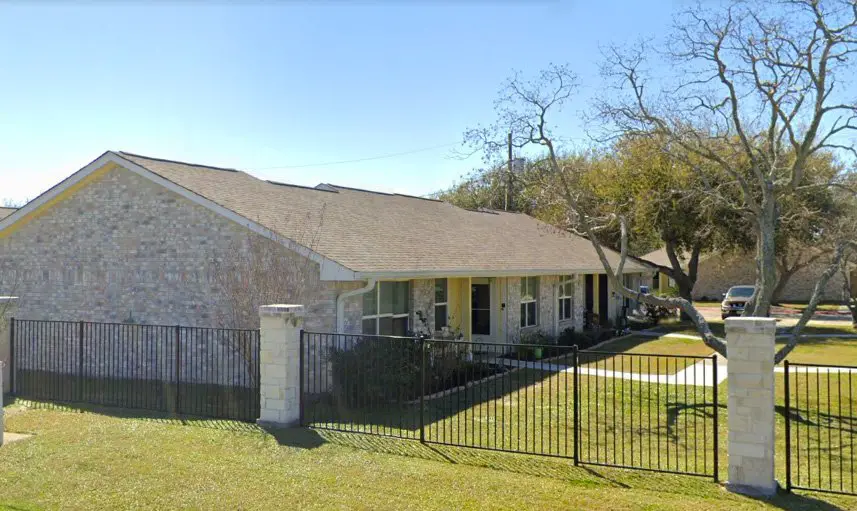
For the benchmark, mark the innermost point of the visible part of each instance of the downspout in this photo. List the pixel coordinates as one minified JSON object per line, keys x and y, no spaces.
{"x":340,"y":303}
{"x":506,"y":309}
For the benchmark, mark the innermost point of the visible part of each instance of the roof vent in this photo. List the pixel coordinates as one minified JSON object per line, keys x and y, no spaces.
{"x":326,"y":187}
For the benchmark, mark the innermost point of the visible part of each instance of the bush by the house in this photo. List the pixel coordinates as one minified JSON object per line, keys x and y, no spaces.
{"x":387,"y":372}
{"x":656,"y":313}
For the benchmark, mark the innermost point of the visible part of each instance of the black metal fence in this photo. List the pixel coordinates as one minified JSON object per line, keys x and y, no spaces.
{"x":648,"y":411}
{"x":652,"y":412}
{"x":182,"y":370}
{"x":821,"y":427}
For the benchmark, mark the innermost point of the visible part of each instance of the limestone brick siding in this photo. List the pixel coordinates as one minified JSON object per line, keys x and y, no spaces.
{"x":717,"y":273}
{"x":124,"y":248}
{"x":422,"y":303}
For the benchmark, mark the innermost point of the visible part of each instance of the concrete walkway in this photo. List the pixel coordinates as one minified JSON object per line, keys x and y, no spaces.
{"x":8,"y":438}
{"x":651,"y":333}
{"x":699,"y":374}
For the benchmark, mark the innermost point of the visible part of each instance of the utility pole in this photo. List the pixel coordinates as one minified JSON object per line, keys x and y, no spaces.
{"x":509,"y":177}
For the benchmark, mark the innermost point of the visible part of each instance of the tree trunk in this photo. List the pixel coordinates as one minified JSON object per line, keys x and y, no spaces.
{"x":766,"y":261}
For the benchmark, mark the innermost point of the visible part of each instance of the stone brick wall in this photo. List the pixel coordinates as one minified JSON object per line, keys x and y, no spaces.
{"x":422,"y":302}
{"x":124,"y":248}
{"x":717,"y":273}
{"x":548,"y":304}
{"x":513,"y":305}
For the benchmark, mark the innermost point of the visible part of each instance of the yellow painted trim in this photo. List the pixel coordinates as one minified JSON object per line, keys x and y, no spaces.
{"x":596,"y":295}
{"x":67,"y":193}
{"x":663,"y":282}
{"x":453,"y":303}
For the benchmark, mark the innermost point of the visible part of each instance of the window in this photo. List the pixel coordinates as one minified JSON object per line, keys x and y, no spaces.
{"x":529,"y":301}
{"x":386,"y":309}
{"x":441,"y":318}
{"x":566,"y":288}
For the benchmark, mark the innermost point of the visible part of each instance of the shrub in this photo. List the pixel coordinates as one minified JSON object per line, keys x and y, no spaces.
{"x":537,"y":337}
{"x":656,"y":313}
{"x":381,"y":371}
{"x":376,"y":371}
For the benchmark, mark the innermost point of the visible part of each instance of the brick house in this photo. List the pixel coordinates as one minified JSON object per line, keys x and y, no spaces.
{"x":130,"y":238}
{"x":717,"y":272}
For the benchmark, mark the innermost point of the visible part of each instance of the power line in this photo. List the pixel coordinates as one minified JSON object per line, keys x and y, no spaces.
{"x":381,"y":157}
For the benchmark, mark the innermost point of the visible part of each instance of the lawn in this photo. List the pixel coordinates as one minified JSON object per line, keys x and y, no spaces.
{"x":831,"y":351}
{"x":783,"y":326}
{"x":97,"y":460}
{"x":827,"y":307}
{"x":107,"y":458}
{"x":641,"y":355}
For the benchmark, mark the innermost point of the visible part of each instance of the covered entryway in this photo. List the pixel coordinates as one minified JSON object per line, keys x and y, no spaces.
{"x":480,"y":309}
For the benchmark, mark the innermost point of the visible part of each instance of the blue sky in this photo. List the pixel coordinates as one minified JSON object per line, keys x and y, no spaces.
{"x":284,"y":84}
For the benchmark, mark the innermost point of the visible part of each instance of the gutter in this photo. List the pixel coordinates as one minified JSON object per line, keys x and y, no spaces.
{"x":435,"y":274}
{"x":340,"y":303}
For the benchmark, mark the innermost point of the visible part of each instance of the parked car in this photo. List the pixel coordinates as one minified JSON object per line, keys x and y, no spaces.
{"x":735,"y":300}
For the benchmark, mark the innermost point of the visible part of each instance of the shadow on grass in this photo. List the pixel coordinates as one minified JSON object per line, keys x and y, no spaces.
{"x":705,"y":411}
{"x":797,"y":501}
{"x":553,"y":468}
{"x":144,"y":415}
{"x":405,"y":416}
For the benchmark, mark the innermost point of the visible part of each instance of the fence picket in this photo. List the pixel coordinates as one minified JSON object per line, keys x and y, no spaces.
{"x":131,"y":365}
{"x":455,"y":393}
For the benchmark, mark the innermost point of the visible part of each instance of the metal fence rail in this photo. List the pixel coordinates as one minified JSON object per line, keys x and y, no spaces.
{"x":651,"y":412}
{"x":646,"y":411}
{"x":821,"y":427}
{"x":182,"y":370}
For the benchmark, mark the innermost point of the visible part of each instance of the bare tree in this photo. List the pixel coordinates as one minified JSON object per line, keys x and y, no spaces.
{"x":762,"y":88}
{"x":257,"y":270}
{"x":761,"y":102}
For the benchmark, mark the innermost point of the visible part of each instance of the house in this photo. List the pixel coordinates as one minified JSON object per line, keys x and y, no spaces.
{"x":717,"y":272}
{"x":130,"y":238}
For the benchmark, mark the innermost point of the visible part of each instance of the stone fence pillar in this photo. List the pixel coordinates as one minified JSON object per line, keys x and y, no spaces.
{"x":8,"y":308}
{"x":751,"y":405}
{"x":279,"y":361}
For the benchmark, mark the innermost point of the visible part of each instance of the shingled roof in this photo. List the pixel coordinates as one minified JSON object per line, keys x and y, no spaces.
{"x":379,"y":234}
{"x":4,"y":212}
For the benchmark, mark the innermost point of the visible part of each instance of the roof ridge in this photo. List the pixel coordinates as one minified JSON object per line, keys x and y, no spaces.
{"x":165,"y":160}
{"x":314,"y":188}
{"x":364,"y":190}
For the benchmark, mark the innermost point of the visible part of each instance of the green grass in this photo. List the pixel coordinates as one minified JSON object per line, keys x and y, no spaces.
{"x":831,"y":351}
{"x":116,"y":460}
{"x":718,"y":328}
{"x":643,"y":345}
{"x":815,"y":350}
{"x":706,"y":304}
{"x":820,"y":307}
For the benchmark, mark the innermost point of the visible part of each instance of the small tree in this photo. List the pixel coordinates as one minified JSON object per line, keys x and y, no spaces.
{"x":257,"y":270}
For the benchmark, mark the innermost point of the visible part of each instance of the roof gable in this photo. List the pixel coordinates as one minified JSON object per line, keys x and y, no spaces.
{"x":384,"y":234}
{"x":360,"y":233}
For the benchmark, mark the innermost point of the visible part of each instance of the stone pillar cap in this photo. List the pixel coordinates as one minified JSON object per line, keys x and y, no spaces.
{"x":282,"y":309}
{"x":751,"y":324}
